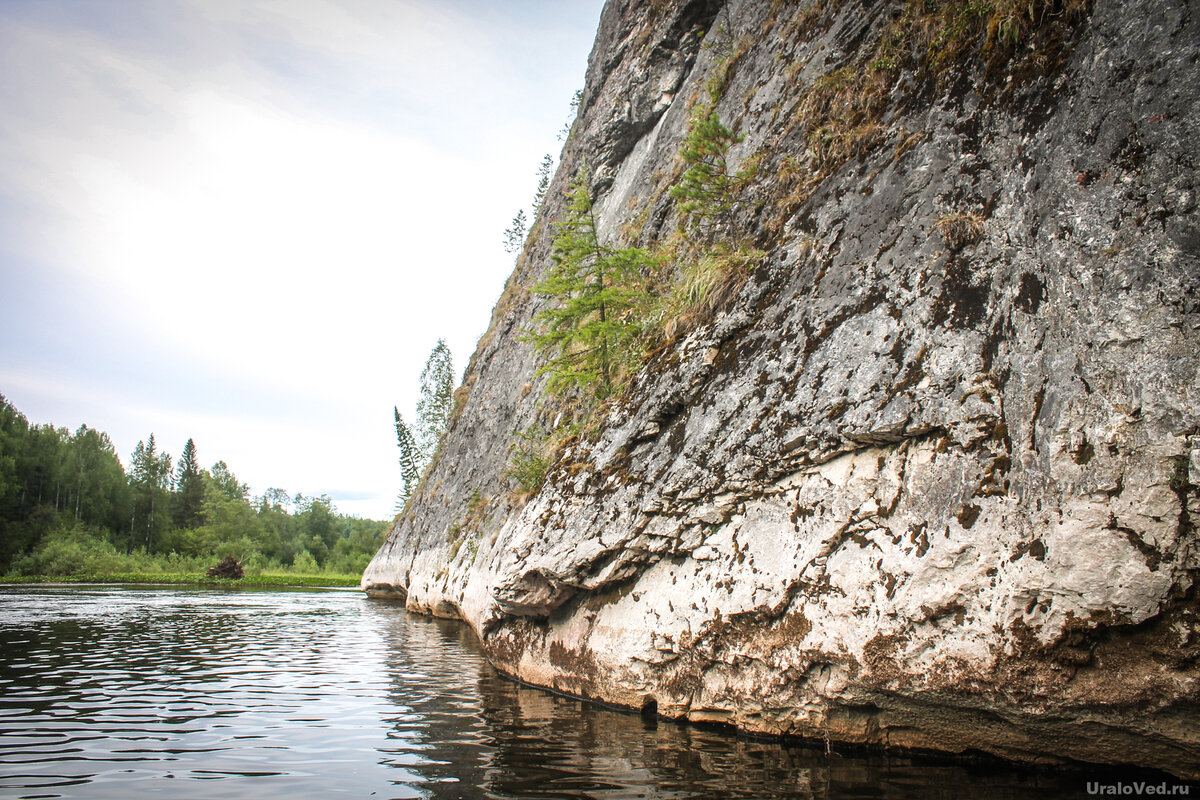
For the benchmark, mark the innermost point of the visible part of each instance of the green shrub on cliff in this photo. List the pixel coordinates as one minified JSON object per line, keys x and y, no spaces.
{"x":527,"y":461}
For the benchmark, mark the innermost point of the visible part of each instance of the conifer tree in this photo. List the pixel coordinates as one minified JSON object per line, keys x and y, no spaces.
{"x":410,"y":460}
{"x":418,"y":444}
{"x":189,"y":488}
{"x":706,"y":187}
{"x":150,"y":475}
{"x":592,"y":331}
{"x":545,"y":171}
{"x":573,"y":114}
{"x":514,"y":236}
{"x":436,"y":401}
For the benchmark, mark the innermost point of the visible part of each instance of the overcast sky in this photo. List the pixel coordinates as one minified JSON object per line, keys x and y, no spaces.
{"x":248,"y":221}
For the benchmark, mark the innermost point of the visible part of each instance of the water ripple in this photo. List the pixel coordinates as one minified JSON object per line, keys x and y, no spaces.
{"x":107,"y":692}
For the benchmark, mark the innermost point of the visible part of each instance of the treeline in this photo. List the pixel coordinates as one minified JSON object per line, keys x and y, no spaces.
{"x":68,"y":507}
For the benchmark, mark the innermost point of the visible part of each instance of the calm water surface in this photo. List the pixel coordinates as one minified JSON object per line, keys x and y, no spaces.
{"x":120,"y":692}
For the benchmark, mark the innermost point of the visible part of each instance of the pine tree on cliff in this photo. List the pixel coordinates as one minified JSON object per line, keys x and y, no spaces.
{"x":410,"y":461}
{"x":436,"y":401}
{"x":514,"y":236}
{"x":706,"y":187}
{"x":545,"y":172}
{"x":592,"y":331}
{"x":418,"y":444}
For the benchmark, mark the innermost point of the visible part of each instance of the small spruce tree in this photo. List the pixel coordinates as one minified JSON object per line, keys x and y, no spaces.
{"x":706,"y":188}
{"x":591,"y":333}
{"x":514,"y":236}
{"x":572,"y":115}
{"x":545,"y":172}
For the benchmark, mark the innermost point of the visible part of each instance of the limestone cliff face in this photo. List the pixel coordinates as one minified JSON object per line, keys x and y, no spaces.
{"x":929,"y":478}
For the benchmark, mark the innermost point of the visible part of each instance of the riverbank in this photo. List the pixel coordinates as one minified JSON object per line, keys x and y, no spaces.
{"x":191,"y":579}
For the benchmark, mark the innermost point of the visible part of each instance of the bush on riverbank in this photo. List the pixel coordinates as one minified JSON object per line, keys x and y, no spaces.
{"x":78,"y":555}
{"x":187,"y":579}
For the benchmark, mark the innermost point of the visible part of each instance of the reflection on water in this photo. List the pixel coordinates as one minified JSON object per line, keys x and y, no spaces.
{"x":108,"y":692}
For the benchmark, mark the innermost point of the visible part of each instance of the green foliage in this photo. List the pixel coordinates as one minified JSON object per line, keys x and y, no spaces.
{"x":468,"y":523}
{"x":706,"y":189}
{"x":528,"y":461}
{"x":514,"y":235}
{"x":195,"y":578}
{"x":601,"y":294}
{"x":67,"y":508}
{"x":707,"y":280}
{"x":435,"y":406}
{"x":473,"y":514}
{"x":300,"y":579}
{"x":227,"y":483}
{"x":712,"y":263}
{"x":728,"y":54}
{"x":410,"y":460}
{"x":436,"y":401}
{"x":189,"y":489}
{"x":150,"y":479}
{"x":569,"y":126}
{"x":545,"y":172}
{"x":610,"y":305}
{"x":305,"y":563}
{"x":75,"y":550}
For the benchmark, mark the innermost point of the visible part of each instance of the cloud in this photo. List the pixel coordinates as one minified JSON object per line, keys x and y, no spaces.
{"x":249,"y":222}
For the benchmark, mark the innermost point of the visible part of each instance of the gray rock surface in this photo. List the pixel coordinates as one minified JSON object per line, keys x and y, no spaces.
{"x":913,"y":485}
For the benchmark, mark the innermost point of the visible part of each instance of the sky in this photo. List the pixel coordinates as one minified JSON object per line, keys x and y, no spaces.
{"x":248,"y":222}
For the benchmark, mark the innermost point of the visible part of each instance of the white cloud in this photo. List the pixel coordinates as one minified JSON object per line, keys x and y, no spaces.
{"x":291,"y":200}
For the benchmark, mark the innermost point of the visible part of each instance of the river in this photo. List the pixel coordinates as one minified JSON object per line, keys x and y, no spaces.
{"x":112,"y":692}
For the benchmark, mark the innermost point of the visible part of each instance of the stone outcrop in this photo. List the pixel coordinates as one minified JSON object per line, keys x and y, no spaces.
{"x":928,"y":477}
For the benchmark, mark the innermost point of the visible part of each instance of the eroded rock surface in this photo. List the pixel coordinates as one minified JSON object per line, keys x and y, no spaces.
{"x":930,"y":478}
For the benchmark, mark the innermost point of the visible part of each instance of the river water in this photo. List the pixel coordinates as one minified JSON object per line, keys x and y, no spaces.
{"x":114,"y":692}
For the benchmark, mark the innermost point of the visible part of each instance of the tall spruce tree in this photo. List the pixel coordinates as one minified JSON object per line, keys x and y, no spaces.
{"x":418,"y":444}
{"x":436,"y":401}
{"x":410,"y":461}
{"x":591,"y":333}
{"x":189,"y":489}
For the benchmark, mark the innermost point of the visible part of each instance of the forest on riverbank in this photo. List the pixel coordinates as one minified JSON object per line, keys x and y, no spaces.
{"x":69,"y":507}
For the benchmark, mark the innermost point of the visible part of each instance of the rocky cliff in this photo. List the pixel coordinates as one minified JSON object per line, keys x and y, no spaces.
{"x":927,"y":475}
